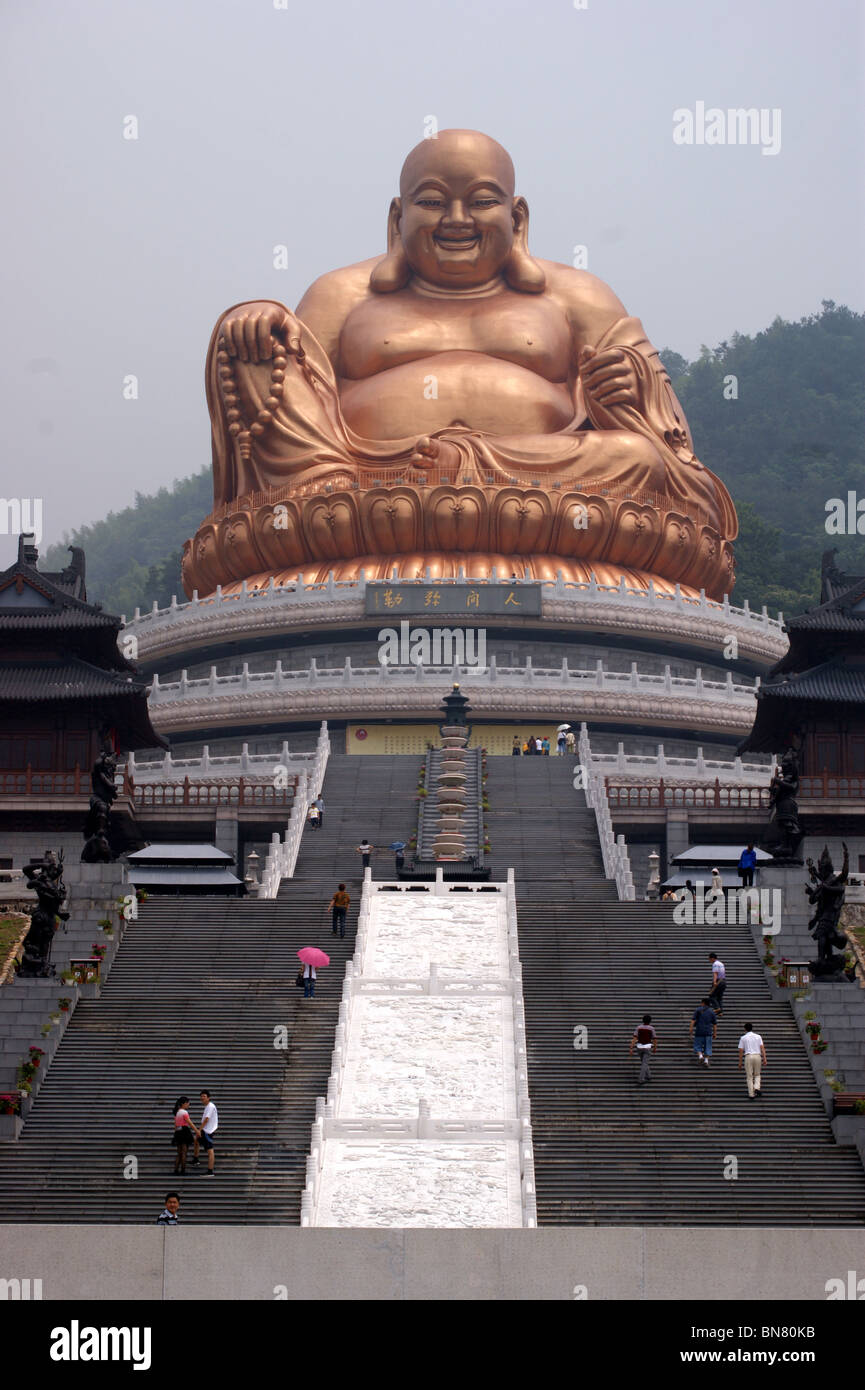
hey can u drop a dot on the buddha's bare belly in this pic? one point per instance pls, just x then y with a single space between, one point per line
446 388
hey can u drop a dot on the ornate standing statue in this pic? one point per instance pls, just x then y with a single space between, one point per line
453 402
45 877
784 835
97 849
827 896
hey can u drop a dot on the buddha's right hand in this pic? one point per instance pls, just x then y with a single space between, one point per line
249 331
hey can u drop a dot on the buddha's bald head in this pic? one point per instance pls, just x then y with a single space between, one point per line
456 224
458 155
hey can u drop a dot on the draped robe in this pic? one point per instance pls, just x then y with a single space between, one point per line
307 439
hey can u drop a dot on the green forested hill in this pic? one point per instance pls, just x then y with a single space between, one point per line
133 556
791 437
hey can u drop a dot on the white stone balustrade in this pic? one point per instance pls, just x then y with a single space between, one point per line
378 1155
641 767
569 680
282 854
218 767
153 627
614 850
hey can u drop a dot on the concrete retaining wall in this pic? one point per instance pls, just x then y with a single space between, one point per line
272 1262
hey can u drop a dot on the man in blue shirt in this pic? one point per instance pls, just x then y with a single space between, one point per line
747 864
703 1030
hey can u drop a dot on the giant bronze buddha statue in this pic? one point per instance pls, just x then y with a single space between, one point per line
454 403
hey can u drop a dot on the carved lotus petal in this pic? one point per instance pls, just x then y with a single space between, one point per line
635 535
392 521
678 546
330 527
237 549
279 534
456 519
522 521
583 525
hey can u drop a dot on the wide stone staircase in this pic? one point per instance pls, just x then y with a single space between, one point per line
691 1147
202 994
202 989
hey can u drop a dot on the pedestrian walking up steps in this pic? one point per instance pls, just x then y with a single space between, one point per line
198 988
606 1152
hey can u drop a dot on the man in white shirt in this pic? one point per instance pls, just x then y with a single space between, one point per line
209 1126
752 1049
719 983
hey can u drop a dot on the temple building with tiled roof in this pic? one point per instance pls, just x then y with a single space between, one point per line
813 699
65 686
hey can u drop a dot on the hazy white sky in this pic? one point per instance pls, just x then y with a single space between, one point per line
260 126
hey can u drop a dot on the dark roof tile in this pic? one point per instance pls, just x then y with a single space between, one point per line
64 680
831 681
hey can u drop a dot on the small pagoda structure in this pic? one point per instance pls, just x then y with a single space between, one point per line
455 730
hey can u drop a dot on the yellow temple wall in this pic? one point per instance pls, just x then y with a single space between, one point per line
413 738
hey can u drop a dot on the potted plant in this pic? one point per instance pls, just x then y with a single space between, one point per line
98 948
848 1103
10 1115
67 977
64 1004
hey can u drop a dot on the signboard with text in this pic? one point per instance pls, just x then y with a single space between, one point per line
411 599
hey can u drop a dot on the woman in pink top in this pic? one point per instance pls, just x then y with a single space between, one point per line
184 1133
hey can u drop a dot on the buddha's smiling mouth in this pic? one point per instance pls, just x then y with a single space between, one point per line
456 243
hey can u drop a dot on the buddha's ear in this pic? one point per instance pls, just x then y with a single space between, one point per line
522 271
393 272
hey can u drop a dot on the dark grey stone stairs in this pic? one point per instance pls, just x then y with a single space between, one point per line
197 989
199 985
606 1152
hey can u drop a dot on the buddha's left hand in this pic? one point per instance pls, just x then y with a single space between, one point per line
608 377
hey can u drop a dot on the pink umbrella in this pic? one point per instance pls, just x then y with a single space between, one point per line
311 955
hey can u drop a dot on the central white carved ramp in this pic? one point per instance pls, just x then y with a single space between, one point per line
426 1121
